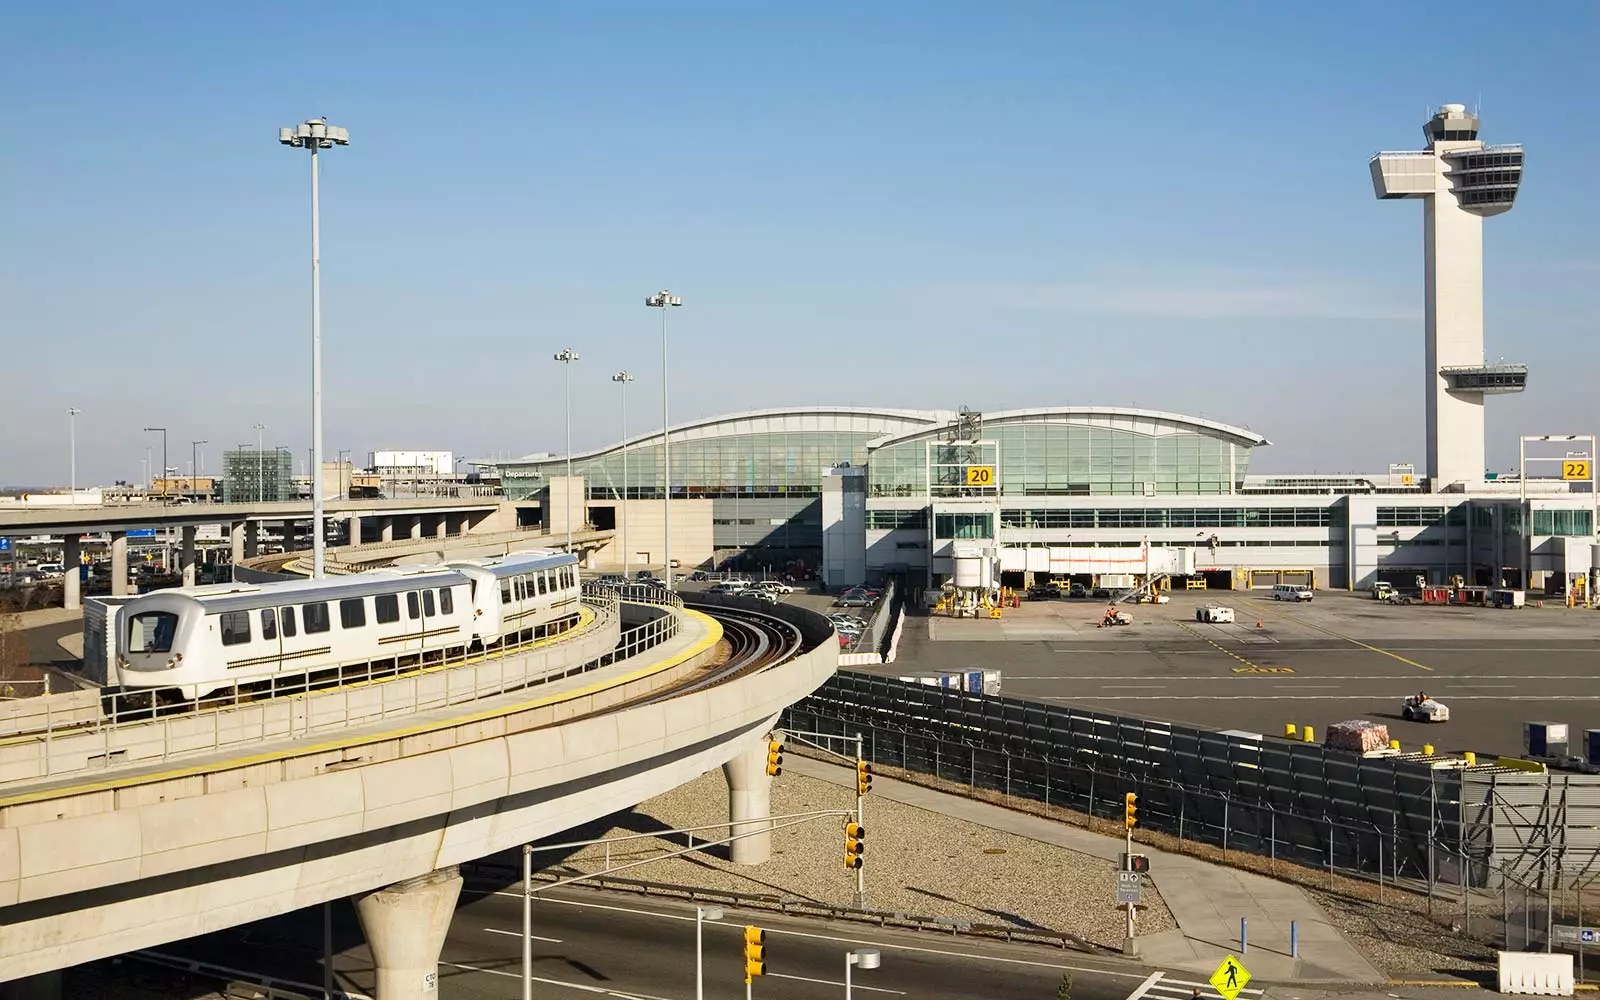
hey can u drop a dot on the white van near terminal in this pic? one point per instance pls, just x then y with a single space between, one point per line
1291 592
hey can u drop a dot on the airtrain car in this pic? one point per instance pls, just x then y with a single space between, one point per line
198 640
522 595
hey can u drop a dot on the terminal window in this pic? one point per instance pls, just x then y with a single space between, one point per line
963 526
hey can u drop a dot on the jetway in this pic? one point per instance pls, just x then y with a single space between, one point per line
1145 560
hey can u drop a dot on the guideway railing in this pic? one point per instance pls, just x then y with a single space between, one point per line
294 709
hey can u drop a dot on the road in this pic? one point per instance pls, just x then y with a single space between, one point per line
1341 657
622 945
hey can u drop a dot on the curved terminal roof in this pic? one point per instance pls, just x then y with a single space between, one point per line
903 425
1120 417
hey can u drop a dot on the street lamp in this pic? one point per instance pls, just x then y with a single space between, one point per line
701 915
72 446
866 958
567 357
622 378
315 134
261 468
163 431
665 300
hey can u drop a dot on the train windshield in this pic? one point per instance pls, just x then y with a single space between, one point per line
152 632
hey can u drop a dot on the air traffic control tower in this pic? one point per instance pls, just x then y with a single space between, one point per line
1460 181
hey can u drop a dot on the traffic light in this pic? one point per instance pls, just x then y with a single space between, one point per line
855 844
774 758
1139 863
863 777
755 947
1130 812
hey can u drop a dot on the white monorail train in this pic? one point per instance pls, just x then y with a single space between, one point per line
199 640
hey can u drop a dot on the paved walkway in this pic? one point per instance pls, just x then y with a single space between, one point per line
1206 899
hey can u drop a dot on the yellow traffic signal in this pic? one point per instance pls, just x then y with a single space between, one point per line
1130 812
774 758
855 844
863 777
755 948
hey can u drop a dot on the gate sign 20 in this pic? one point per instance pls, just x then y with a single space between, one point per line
980 475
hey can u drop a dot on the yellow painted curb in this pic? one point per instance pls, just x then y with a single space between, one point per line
710 639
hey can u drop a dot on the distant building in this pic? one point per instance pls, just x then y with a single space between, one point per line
398 464
251 476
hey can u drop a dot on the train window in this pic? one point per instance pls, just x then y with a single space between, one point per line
386 608
235 627
286 619
316 617
413 606
522 588
152 632
269 623
505 591
542 582
352 613
447 601
427 604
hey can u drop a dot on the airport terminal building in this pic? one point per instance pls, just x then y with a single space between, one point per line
1075 492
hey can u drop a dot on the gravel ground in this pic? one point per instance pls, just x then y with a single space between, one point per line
917 862
1402 941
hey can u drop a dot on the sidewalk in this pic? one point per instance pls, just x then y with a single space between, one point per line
1207 900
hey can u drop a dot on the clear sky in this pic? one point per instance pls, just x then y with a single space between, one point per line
920 204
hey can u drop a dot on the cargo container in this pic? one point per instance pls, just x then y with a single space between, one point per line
970 681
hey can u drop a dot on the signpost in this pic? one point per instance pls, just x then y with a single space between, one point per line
1230 978
1569 934
980 475
5 545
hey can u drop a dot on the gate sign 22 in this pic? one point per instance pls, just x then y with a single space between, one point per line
983 475
1571 469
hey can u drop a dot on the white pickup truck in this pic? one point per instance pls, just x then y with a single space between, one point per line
1426 710
1214 614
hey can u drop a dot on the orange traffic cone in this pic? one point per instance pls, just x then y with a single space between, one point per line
1258 623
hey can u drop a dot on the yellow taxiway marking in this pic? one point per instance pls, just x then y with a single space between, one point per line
1346 638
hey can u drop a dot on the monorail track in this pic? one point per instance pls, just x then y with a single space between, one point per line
756 639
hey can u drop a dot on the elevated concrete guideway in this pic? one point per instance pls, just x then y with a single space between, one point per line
138 856
85 519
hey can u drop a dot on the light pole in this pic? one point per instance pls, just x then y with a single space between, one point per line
163 431
567 357
866 958
261 468
194 462
622 378
344 465
315 134
701 915
665 300
72 447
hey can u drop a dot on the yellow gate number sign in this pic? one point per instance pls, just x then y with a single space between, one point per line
983 475
1571 469
1230 978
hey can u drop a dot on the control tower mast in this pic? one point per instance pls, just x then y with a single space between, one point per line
1460 181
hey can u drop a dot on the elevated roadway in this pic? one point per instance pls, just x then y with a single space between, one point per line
202 837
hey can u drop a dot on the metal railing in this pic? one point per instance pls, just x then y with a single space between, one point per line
293 711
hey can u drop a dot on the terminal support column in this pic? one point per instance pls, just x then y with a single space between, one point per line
236 541
416 526
405 925
749 801
72 575
252 539
441 525
186 556
385 529
119 563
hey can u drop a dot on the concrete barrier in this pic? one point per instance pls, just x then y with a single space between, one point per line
68 708
1536 974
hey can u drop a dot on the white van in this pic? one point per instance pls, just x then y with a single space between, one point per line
1291 592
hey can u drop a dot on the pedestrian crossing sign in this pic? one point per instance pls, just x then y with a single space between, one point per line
1230 978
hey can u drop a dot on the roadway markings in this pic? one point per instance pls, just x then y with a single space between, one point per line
1339 635
1250 666
1158 987
518 934
585 987
830 982
1145 987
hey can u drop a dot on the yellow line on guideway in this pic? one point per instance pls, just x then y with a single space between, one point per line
710 639
1250 666
1340 635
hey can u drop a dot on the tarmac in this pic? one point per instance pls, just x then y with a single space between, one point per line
1207 900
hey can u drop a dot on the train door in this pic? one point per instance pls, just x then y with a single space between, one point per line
394 634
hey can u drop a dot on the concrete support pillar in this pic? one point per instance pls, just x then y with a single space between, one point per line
465 526
405 925
44 986
119 563
252 539
441 525
186 556
749 799
236 541
416 527
385 529
72 578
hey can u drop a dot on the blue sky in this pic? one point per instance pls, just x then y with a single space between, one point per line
908 204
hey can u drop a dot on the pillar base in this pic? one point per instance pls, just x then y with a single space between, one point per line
1130 947
405 925
749 799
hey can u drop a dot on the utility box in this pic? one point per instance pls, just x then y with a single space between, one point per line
1544 739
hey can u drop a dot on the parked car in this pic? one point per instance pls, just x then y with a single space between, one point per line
612 580
756 593
699 576
1044 592
854 601
1101 594
775 586
643 575
1078 590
